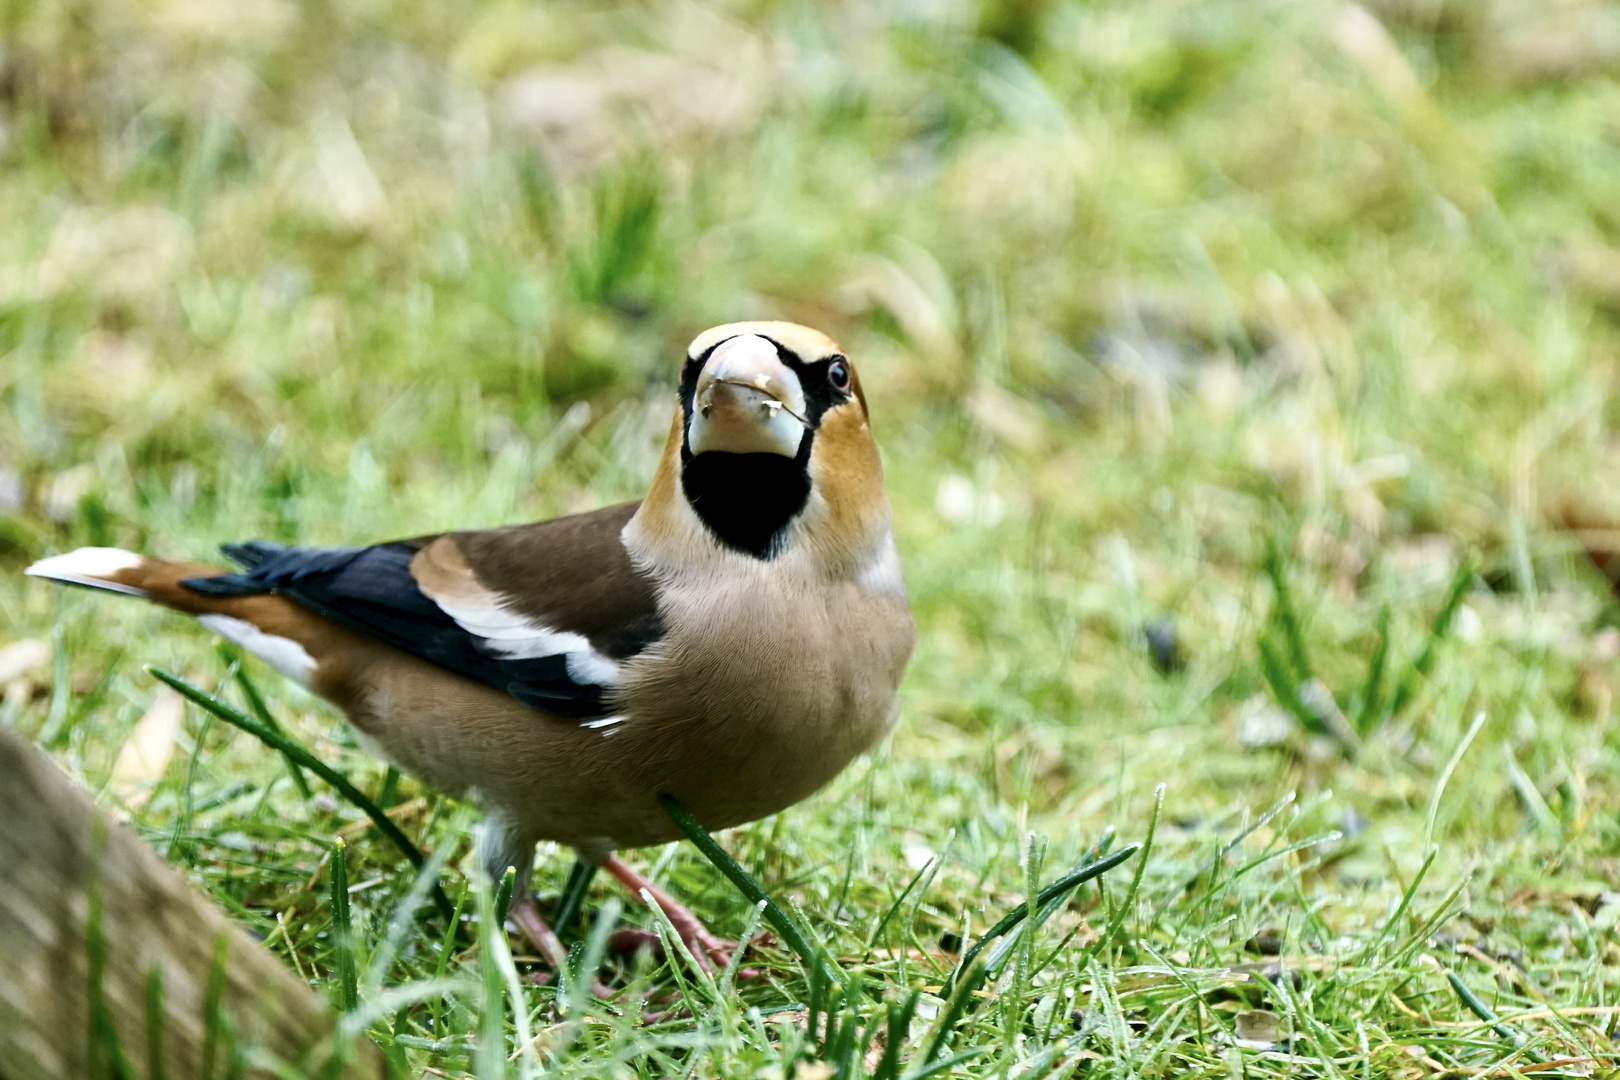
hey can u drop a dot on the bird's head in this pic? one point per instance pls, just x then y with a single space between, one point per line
771 448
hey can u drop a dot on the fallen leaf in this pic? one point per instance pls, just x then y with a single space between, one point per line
145 755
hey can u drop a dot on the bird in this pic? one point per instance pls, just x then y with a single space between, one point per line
733 640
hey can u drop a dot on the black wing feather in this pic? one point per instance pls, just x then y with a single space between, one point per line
371 590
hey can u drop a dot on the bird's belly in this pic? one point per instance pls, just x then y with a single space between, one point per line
730 768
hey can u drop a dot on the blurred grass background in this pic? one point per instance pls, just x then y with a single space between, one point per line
1136 289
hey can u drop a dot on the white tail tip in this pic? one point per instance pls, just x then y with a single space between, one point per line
89 566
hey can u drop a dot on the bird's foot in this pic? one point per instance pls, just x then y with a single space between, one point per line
710 952
526 913
708 949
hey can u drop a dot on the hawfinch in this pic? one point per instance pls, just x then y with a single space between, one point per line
733 640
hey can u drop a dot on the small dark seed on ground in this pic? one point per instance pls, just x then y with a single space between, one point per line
1164 645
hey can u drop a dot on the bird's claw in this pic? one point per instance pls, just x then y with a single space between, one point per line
709 951
599 990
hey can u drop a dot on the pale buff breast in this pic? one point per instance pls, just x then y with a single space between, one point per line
774 687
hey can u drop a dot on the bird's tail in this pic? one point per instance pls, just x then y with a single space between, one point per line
120 571
270 627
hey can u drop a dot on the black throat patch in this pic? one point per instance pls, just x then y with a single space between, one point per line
748 500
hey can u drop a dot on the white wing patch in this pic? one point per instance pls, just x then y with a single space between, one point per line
514 637
283 654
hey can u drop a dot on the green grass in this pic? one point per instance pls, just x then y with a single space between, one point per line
1159 307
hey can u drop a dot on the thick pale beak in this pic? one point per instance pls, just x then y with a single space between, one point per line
747 402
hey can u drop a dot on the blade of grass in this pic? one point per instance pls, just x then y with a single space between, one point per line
401 921
1400 910
87 703
1285 688
900 1017
503 895
1048 900
1284 613
1372 688
948 1063
217 1034
491 1054
1438 630
255 701
590 959
61 689
928 868
573 894
309 761
449 947
345 970
1096 947
390 788
1483 1011
1445 776
105 1054
957 1003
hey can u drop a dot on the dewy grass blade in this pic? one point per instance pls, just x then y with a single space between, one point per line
520 1002
590 958
503 895
448 947
402 920
1444 780
955 1006
928 869
899 1030
1483 1011
1047 901
344 967
1096 947
947 1064
573 895
1400 909
491 1054
309 761
748 887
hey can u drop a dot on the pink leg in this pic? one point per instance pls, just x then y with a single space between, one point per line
705 946
526 913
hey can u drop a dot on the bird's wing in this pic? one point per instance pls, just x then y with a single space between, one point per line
545 612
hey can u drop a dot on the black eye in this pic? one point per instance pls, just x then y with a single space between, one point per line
838 375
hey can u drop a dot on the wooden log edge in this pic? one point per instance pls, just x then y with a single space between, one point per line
81 895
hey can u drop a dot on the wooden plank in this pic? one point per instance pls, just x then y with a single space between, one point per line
59 859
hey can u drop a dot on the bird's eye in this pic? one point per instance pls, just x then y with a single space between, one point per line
838 375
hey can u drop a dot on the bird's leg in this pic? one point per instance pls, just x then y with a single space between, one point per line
706 948
526 914
499 848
